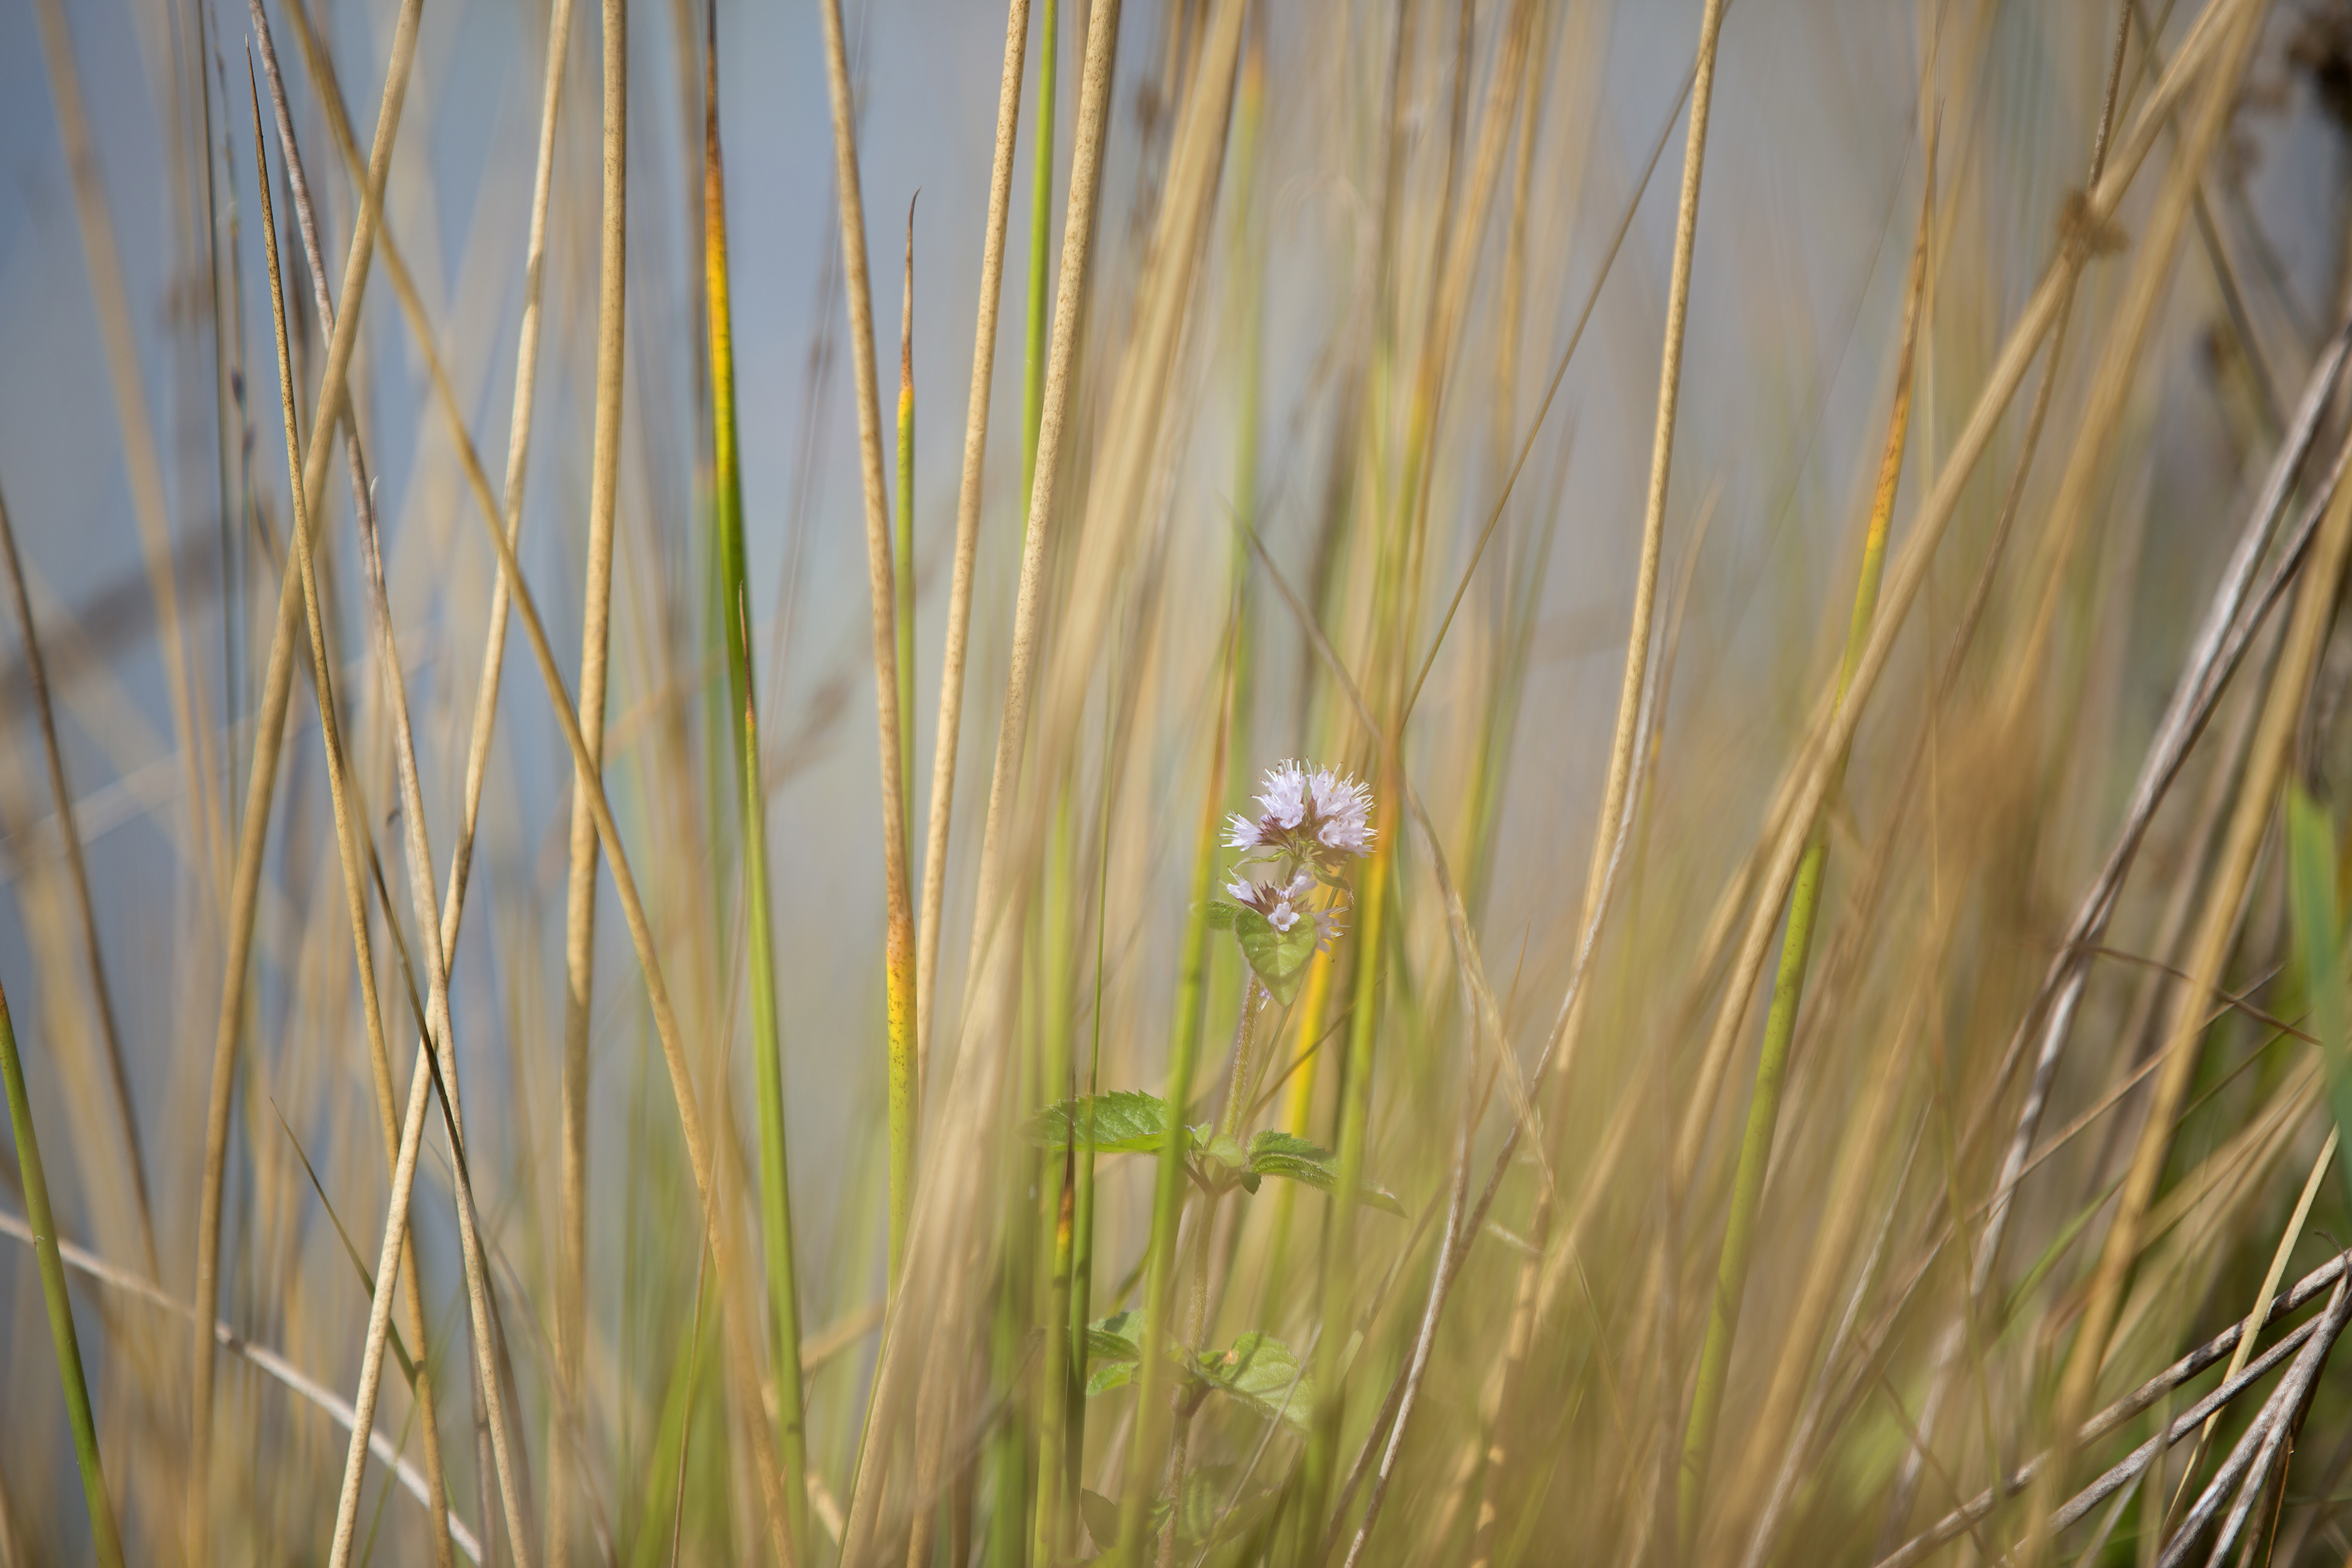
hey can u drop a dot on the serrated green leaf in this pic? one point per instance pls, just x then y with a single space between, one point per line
1261 1371
1273 1153
1279 957
1220 914
1125 1122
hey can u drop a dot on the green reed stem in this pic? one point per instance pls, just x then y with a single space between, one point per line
1082 1213
1047 1225
1149 1430
1053 1402
1041 246
53 1292
1338 1235
1008 1445
1796 951
905 1091
767 1045
902 580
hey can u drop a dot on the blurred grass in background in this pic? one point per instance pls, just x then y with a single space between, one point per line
1843 490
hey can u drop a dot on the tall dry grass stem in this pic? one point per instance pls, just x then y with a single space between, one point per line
968 491
352 842
269 729
700 1158
979 1067
580 890
2255 799
898 960
395 1234
1796 941
1831 730
519 424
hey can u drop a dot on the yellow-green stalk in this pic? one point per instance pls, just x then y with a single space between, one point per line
1796 950
767 1045
1045 1224
905 1091
1147 1431
108 1543
902 564
1355 1117
1298 1104
1082 1213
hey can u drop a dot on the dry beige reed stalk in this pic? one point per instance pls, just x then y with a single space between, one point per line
261 780
967 540
942 1202
580 902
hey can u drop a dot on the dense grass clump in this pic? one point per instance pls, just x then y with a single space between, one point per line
1566 854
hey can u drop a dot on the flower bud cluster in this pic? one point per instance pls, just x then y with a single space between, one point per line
1312 823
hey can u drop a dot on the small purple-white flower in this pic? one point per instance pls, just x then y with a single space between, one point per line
1343 808
1284 905
1305 815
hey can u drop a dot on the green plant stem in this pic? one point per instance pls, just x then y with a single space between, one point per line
1008 1520
1338 1235
906 1090
53 1293
1796 946
1082 1216
1193 959
767 1044
1053 1384
1146 1433
902 566
1053 1215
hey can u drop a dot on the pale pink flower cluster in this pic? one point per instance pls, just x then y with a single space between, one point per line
1281 906
1310 822
1307 815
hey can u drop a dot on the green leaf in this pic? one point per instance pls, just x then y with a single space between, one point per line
1221 914
1125 1122
1109 1376
1207 1492
1261 1371
1117 1344
1279 957
1116 1338
2319 947
1101 1515
1273 1153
